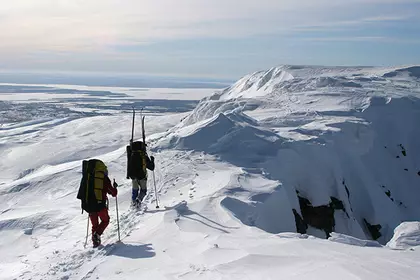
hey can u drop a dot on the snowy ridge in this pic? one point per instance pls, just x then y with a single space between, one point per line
413 71
361 137
256 84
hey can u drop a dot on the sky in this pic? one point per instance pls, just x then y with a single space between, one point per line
202 38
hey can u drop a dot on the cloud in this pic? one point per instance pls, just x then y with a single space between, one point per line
111 34
348 39
375 39
77 25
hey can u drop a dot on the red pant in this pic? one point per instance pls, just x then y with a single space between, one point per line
96 226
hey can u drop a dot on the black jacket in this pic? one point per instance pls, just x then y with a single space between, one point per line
135 164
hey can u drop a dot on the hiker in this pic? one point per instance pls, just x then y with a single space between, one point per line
138 163
94 187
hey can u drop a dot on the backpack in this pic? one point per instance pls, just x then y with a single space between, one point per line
136 156
92 185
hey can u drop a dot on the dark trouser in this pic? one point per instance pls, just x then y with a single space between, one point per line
96 226
139 185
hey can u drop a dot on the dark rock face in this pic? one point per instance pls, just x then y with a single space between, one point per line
373 229
403 150
348 196
336 204
301 226
320 217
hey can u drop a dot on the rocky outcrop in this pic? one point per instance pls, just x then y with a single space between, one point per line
373 229
320 217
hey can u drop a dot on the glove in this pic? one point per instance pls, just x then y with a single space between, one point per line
152 158
115 185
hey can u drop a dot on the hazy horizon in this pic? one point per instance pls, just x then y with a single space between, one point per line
110 79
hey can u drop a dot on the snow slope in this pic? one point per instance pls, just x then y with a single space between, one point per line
326 144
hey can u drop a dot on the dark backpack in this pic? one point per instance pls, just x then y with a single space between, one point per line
92 185
136 156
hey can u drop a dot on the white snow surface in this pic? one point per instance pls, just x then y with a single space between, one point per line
406 235
227 176
143 93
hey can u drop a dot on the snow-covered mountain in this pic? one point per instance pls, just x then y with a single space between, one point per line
342 143
305 78
267 177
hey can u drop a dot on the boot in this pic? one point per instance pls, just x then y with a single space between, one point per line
142 194
96 239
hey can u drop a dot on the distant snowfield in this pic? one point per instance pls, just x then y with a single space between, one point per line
139 93
291 149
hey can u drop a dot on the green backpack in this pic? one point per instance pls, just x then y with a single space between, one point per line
92 185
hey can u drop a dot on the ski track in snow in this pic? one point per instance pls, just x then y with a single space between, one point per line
227 175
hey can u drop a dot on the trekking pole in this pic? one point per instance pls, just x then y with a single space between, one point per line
156 194
116 205
87 231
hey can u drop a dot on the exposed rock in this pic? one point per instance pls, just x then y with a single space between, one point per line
348 196
336 204
301 226
374 230
320 217
403 151
347 190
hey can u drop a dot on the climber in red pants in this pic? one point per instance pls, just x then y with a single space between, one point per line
99 227
93 190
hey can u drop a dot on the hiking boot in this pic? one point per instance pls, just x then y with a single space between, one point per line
96 239
138 203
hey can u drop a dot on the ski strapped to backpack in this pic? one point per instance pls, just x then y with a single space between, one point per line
92 185
143 133
136 156
136 153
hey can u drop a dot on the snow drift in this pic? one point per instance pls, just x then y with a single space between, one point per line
406 235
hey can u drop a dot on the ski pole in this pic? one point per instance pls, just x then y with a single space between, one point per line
156 194
87 231
116 205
